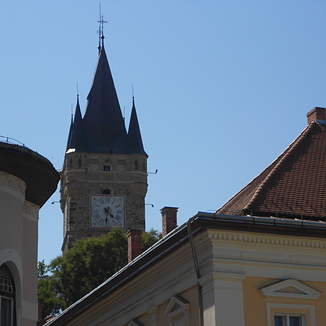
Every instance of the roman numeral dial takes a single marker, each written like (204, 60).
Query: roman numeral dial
(107, 211)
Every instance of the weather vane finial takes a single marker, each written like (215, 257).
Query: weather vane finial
(100, 31)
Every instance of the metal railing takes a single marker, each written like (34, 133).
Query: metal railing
(8, 140)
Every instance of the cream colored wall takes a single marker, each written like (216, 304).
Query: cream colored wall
(18, 245)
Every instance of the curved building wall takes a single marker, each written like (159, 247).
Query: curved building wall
(18, 245)
(27, 180)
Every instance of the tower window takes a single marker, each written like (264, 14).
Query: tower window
(79, 163)
(136, 165)
(107, 191)
(106, 168)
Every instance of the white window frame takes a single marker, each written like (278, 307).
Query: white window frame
(288, 316)
(278, 309)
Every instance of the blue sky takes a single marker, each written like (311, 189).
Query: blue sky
(221, 88)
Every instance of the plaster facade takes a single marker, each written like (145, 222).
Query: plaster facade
(245, 278)
(18, 234)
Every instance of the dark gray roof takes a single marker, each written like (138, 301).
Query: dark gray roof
(134, 140)
(35, 170)
(102, 130)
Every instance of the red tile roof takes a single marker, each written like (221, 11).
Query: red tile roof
(293, 186)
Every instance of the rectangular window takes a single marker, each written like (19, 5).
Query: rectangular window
(281, 314)
(288, 320)
(106, 168)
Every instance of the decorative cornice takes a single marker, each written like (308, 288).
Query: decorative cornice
(266, 239)
(221, 276)
(12, 185)
(31, 211)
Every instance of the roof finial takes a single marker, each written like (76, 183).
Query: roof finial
(100, 31)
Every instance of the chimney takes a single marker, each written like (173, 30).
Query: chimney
(169, 219)
(316, 114)
(134, 244)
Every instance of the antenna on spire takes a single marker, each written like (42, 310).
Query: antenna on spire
(100, 31)
(77, 90)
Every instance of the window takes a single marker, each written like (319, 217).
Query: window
(106, 168)
(288, 320)
(297, 313)
(6, 311)
(6, 297)
(106, 191)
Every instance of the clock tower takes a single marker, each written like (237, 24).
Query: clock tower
(104, 176)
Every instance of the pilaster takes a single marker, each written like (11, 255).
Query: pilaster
(222, 297)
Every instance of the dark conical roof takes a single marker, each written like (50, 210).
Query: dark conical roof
(134, 140)
(70, 133)
(77, 137)
(293, 186)
(102, 130)
(103, 120)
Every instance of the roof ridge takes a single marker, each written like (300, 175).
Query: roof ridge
(282, 159)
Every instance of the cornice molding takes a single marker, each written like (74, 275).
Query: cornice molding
(267, 239)
(12, 185)
(31, 211)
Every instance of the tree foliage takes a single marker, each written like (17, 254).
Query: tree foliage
(149, 238)
(86, 265)
(48, 296)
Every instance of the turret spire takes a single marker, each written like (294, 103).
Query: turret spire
(100, 31)
(77, 140)
(134, 141)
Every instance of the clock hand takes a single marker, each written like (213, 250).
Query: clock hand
(107, 211)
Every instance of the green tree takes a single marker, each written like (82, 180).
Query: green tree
(86, 265)
(149, 238)
(47, 291)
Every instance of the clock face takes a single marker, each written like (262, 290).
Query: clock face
(107, 211)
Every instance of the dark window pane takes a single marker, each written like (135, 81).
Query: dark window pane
(295, 321)
(279, 321)
(6, 311)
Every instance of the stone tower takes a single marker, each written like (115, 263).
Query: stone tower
(104, 176)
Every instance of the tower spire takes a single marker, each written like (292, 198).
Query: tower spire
(100, 32)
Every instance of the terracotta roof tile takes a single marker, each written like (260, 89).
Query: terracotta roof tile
(293, 186)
